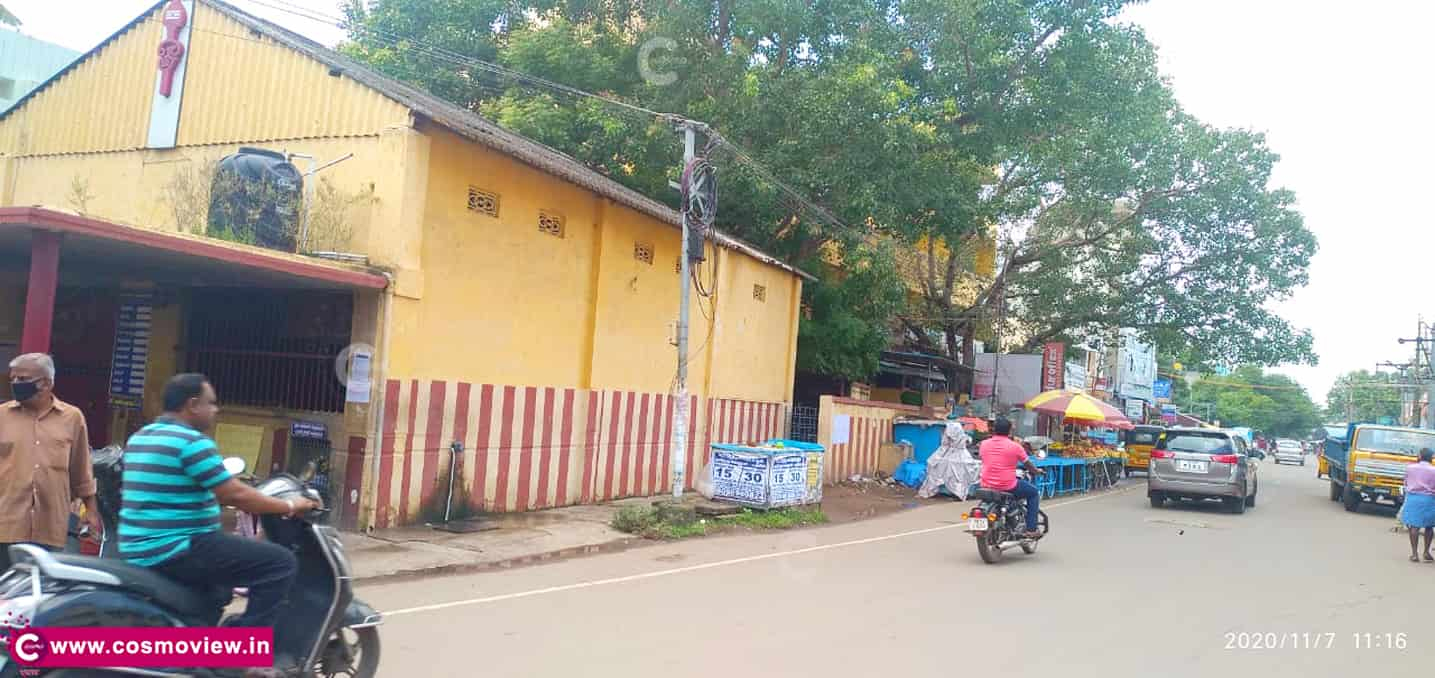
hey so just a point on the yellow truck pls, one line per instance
(1369, 465)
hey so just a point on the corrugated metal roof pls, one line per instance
(476, 128)
(460, 120)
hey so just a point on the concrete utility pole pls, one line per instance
(680, 411)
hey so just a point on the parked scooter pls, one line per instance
(324, 630)
(999, 523)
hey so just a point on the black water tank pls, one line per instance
(257, 195)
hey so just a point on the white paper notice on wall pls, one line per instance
(359, 380)
(841, 429)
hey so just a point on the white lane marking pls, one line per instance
(704, 566)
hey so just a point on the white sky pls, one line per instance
(1337, 91)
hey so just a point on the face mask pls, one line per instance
(24, 390)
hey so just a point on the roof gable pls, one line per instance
(129, 44)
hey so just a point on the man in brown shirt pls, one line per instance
(44, 460)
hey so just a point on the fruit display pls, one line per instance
(1082, 448)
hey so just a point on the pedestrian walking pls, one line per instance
(44, 461)
(1418, 510)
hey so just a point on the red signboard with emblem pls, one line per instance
(171, 50)
(1053, 366)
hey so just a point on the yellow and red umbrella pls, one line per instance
(1075, 406)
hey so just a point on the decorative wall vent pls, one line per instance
(550, 223)
(483, 202)
(759, 292)
(643, 252)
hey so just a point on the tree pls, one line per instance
(1272, 403)
(1363, 396)
(1121, 210)
(928, 123)
(8, 18)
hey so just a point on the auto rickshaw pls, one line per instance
(1139, 443)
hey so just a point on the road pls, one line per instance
(1118, 589)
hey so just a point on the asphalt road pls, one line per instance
(1118, 589)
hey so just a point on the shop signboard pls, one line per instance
(1053, 370)
(1161, 388)
(308, 430)
(1075, 376)
(1168, 414)
(1136, 367)
(1135, 409)
(131, 355)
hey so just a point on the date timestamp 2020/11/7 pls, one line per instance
(1316, 641)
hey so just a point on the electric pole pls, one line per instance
(680, 412)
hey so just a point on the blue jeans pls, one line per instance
(1028, 491)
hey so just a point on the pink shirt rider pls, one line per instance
(1001, 456)
(1420, 479)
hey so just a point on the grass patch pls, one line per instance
(778, 519)
(668, 522)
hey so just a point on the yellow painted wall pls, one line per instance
(636, 303)
(133, 187)
(755, 342)
(474, 297)
(239, 87)
(502, 302)
(247, 88)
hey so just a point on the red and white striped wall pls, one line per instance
(528, 447)
(860, 454)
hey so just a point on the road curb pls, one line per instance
(620, 545)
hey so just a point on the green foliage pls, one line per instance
(845, 334)
(8, 18)
(1363, 396)
(220, 232)
(907, 119)
(669, 523)
(1272, 403)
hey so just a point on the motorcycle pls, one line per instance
(324, 630)
(998, 522)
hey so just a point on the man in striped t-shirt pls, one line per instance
(174, 483)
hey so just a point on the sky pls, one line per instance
(1338, 93)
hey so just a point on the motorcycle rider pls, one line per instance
(1001, 456)
(173, 486)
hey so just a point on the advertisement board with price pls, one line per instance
(789, 480)
(776, 475)
(740, 476)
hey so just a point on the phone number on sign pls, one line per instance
(1315, 641)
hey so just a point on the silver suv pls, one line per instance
(1194, 463)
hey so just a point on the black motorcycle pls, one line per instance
(323, 630)
(999, 523)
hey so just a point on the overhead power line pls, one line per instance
(444, 55)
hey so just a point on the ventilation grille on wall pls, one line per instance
(550, 223)
(643, 252)
(483, 202)
(759, 292)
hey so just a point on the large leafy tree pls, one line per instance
(1273, 403)
(1362, 395)
(928, 123)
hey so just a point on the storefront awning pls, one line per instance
(106, 250)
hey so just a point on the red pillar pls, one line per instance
(40, 296)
